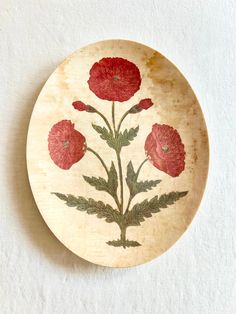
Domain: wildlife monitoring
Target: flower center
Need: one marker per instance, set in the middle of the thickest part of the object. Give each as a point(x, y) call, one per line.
point(65, 143)
point(116, 78)
point(165, 148)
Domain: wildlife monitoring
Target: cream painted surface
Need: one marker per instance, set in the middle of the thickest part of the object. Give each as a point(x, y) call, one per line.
point(174, 104)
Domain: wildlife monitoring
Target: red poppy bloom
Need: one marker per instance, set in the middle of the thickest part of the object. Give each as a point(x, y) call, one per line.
point(165, 149)
point(65, 144)
point(145, 104)
point(114, 79)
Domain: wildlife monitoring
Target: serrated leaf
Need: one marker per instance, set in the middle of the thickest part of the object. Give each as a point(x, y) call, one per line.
point(105, 134)
point(112, 181)
point(122, 139)
point(147, 208)
point(92, 207)
point(131, 178)
point(144, 186)
point(170, 198)
point(62, 197)
point(99, 183)
point(110, 185)
point(69, 199)
point(136, 187)
point(131, 174)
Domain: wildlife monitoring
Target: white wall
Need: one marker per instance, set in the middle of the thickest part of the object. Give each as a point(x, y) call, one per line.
point(39, 275)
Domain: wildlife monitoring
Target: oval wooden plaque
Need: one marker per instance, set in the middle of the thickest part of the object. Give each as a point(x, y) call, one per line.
point(117, 153)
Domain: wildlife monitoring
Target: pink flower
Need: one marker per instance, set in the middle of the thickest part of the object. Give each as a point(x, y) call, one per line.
point(114, 79)
point(65, 144)
point(165, 149)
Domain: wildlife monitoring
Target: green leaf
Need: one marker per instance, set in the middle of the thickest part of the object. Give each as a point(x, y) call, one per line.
point(144, 186)
point(104, 133)
point(146, 208)
point(136, 187)
point(62, 197)
point(110, 186)
point(99, 183)
point(126, 243)
point(131, 174)
point(91, 206)
point(112, 181)
point(70, 200)
point(122, 139)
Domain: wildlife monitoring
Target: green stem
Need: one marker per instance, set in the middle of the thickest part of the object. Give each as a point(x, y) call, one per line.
point(100, 159)
point(140, 167)
point(105, 167)
point(137, 174)
point(113, 117)
point(105, 120)
point(117, 201)
point(128, 205)
point(122, 119)
point(118, 161)
point(123, 236)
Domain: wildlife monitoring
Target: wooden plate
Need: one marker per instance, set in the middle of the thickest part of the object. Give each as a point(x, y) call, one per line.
point(117, 153)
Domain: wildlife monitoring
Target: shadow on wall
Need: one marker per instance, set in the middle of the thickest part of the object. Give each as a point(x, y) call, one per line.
point(29, 215)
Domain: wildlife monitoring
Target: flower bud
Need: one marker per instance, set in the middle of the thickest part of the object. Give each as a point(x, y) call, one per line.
point(79, 105)
point(143, 104)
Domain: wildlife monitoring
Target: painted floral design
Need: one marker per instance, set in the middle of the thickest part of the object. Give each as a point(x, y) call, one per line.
point(165, 149)
point(117, 79)
point(114, 79)
point(66, 145)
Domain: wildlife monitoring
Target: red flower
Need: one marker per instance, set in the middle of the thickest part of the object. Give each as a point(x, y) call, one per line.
point(79, 105)
point(145, 104)
point(165, 149)
point(66, 145)
point(114, 79)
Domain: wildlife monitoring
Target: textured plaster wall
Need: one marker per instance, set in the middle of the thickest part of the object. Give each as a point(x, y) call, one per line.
point(39, 275)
